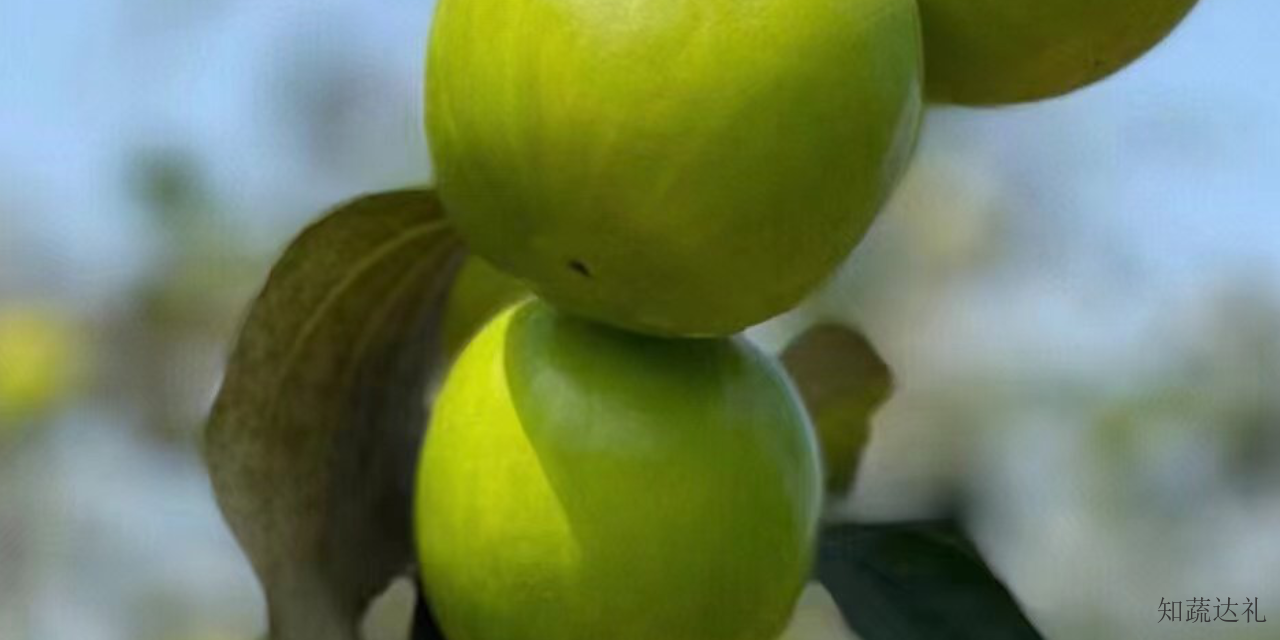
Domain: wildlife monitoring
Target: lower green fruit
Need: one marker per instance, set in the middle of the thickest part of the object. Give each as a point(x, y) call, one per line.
point(582, 483)
point(984, 52)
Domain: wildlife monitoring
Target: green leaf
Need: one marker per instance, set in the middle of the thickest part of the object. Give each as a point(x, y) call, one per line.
point(842, 381)
point(917, 581)
point(313, 438)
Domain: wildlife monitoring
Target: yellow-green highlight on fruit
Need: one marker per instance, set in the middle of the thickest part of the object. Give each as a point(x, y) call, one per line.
point(989, 52)
point(843, 381)
point(578, 482)
point(670, 166)
point(479, 291)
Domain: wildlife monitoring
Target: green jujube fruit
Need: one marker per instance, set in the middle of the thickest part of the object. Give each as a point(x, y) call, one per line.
point(670, 166)
point(988, 52)
point(579, 482)
point(478, 293)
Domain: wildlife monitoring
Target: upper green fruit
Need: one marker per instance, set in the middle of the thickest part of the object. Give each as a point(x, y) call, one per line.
point(671, 166)
point(983, 52)
point(578, 482)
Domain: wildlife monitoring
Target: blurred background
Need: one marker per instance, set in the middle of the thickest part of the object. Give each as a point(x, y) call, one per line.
point(1080, 300)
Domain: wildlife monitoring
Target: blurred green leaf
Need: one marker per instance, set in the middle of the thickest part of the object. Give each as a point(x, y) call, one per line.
point(172, 185)
point(314, 435)
point(917, 581)
point(842, 381)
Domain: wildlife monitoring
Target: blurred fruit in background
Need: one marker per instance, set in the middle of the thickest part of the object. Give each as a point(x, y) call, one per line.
point(42, 360)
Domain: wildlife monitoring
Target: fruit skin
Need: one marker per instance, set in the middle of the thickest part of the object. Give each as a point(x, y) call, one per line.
point(479, 292)
point(578, 482)
point(988, 52)
point(672, 167)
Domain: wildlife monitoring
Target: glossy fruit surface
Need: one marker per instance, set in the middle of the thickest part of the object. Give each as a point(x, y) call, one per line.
point(479, 292)
point(673, 167)
point(984, 52)
point(578, 482)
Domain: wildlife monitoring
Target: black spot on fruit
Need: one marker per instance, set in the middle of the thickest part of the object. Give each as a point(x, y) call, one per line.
point(580, 268)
